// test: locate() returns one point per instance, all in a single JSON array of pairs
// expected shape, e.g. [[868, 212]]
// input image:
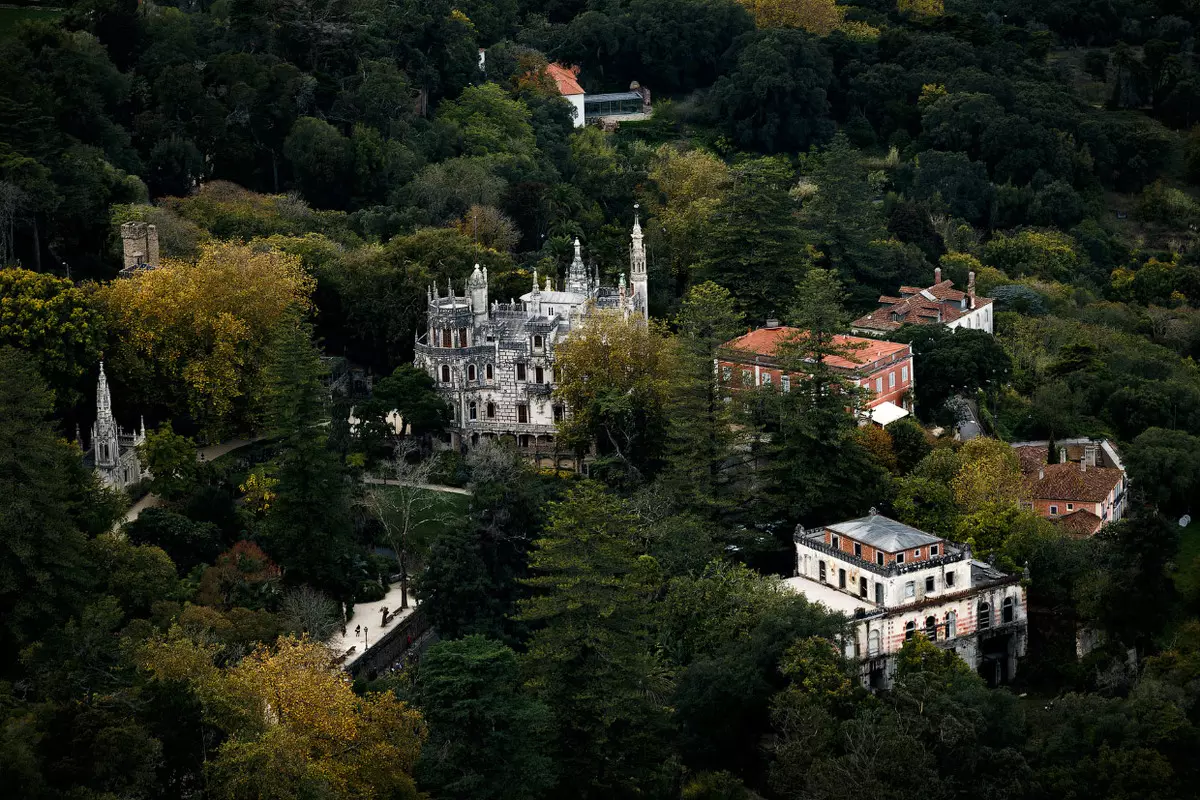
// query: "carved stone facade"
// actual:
[[494, 362], [113, 451]]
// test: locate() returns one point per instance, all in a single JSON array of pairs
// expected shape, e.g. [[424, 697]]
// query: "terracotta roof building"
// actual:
[[885, 369], [1083, 491], [939, 304], [604, 109]]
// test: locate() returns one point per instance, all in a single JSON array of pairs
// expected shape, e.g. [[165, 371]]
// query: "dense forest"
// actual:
[[312, 167]]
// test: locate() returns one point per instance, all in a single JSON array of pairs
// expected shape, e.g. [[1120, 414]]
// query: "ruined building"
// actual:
[[494, 362], [139, 242], [895, 582]]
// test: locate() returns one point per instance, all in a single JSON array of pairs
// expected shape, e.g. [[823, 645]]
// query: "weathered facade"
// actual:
[[895, 581], [494, 362], [113, 451], [139, 245]]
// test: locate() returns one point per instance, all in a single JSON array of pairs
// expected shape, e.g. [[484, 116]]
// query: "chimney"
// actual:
[[1083, 465], [1091, 455], [937, 275], [971, 287], [1062, 455], [1041, 473]]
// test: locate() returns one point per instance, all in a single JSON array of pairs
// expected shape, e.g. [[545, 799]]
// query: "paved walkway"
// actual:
[[212, 451], [148, 501], [369, 616], [433, 487]]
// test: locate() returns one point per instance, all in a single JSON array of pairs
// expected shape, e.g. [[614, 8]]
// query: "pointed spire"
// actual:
[[103, 396], [535, 282], [637, 225], [577, 275]]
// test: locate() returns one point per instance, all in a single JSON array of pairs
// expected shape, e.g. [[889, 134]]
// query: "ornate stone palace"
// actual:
[[494, 362], [113, 451]]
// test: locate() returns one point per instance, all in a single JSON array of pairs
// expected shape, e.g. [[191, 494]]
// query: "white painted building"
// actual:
[[494, 362], [895, 581]]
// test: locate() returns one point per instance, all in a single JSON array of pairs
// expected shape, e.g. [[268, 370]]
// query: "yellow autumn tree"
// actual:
[[615, 374], [924, 8], [193, 335], [690, 184], [821, 17], [295, 728], [989, 476]]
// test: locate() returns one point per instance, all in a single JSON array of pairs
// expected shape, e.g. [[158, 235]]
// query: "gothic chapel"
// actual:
[[113, 451]]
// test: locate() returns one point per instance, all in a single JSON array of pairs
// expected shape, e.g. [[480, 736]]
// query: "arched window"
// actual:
[[985, 616], [873, 643], [445, 374], [951, 625], [487, 371], [910, 630], [447, 341], [472, 411], [491, 410], [471, 372], [931, 628], [1008, 610]]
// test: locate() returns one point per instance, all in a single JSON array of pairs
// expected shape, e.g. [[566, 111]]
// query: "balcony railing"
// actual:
[[887, 570]]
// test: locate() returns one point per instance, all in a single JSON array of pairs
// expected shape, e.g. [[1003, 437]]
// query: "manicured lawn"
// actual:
[[1187, 570], [450, 508], [9, 17]]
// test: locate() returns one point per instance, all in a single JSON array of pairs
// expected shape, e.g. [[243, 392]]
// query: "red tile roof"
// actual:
[[1070, 481], [766, 341], [565, 78], [1080, 523], [916, 306]]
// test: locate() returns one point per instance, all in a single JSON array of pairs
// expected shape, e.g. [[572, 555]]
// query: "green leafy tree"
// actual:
[[309, 528], [54, 320], [953, 362], [45, 571], [1164, 465], [171, 459], [700, 435], [488, 738], [591, 657], [751, 245], [410, 392], [774, 99], [187, 542]]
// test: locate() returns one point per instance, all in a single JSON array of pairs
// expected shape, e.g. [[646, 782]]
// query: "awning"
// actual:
[[886, 413]]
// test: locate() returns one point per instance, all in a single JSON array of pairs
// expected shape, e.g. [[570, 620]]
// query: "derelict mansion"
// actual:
[[494, 362]]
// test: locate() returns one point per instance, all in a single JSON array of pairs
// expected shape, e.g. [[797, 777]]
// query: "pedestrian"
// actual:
[[358, 630]]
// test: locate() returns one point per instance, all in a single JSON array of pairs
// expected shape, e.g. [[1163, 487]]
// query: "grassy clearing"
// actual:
[[1187, 566], [450, 509]]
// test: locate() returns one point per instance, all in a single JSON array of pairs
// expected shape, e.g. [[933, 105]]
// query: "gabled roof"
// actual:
[[1070, 481], [917, 306], [884, 534], [565, 78], [766, 341], [1080, 523]]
